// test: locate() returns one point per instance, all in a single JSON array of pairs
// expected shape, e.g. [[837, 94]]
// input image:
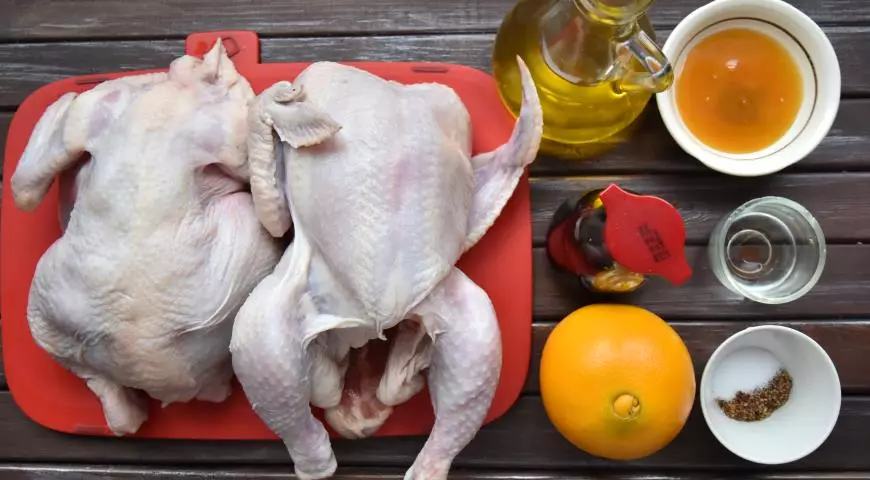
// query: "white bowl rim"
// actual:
[[827, 362], [828, 88]]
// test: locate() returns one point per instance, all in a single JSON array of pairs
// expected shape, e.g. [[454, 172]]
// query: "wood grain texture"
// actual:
[[5, 119], [835, 199], [28, 66], [847, 343], [840, 292], [157, 472], [522, 438], [61, 19]]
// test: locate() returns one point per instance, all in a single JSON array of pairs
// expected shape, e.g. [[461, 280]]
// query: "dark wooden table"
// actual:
[[44, 40]]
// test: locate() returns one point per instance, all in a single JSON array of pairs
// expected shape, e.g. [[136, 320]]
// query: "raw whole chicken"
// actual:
[[160, 244], [384, 197]]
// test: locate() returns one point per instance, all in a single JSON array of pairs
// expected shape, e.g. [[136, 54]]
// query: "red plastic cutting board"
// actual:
[[501, 264]]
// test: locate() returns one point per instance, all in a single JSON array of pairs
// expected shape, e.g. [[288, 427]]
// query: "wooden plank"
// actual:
[[841, 292], [28, 66], [847, 343], [58, 61], [60, 19], [523, 438], [5, 120], [835, 199], [158, 472]]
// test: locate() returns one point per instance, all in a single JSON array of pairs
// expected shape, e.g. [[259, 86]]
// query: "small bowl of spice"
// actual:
[[770, 394]]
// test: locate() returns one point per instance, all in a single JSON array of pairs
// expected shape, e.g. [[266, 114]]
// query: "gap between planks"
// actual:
[[840, 293]]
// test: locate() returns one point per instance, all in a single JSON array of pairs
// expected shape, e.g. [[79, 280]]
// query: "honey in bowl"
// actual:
[[739, 89]]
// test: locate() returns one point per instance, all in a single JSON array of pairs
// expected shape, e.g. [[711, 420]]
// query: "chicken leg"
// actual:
[[277, 375], [463, 373]]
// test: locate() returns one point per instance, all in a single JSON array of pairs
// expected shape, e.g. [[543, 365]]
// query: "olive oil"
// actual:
[[739, 90], [574, 63]]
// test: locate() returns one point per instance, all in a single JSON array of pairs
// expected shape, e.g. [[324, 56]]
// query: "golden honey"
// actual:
[[739, 90]]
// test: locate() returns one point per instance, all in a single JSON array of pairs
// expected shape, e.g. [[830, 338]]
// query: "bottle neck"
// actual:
[[613, 12]]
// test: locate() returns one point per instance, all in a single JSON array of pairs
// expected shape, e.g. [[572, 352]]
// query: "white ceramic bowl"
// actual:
[[810, 48], [749, 358]]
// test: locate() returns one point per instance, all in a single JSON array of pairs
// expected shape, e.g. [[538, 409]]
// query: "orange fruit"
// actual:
[[617, 381]]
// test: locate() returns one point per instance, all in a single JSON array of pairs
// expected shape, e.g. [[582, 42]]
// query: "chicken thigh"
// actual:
[[160, 244], [384, 197]]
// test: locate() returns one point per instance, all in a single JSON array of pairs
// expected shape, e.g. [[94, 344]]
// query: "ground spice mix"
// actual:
[[761, 402]]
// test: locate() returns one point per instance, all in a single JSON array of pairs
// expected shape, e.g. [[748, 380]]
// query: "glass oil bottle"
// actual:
[[595, 63]]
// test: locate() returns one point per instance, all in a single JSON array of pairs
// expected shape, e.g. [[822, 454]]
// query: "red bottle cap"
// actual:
[[645, 234]]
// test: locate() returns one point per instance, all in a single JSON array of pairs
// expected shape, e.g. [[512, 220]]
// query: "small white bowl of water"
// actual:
[[747, 361], [768, 250]]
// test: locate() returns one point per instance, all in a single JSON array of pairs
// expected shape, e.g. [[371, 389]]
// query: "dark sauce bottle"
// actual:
[[613, 239]]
